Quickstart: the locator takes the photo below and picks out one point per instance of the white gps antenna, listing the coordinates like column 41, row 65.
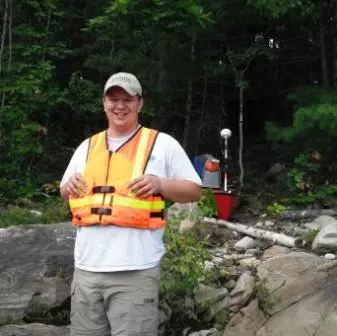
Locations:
column 225, row 134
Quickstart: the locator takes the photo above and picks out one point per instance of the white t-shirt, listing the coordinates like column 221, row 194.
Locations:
column 111, row 248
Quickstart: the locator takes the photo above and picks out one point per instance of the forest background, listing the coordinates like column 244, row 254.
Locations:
column 266, row 70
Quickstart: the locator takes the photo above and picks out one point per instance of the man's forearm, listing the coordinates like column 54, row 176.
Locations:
column 181, row 191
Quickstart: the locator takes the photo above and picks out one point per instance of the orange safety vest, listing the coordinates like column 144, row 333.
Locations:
column 108, row 201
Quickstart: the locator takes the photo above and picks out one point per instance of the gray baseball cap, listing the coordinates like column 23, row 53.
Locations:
column 126, row 81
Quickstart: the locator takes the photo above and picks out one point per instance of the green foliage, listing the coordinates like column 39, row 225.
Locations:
column 53, row 210
column 84, row 96
column 57, row 317
column 278, row 8
column 313, row 95
column 183, row 266
column 275, row 209
column 207, row 204
column 316, row 124
column 310, row 236
column 7, row 319
column 266, row 299
column 312, row 140
column 30, row 96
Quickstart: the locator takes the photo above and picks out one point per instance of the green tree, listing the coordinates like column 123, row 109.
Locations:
column 30, row 99
column 152, row 39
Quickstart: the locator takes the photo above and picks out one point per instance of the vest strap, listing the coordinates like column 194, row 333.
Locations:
column 103, row 189
column 101, row 211
column 159, row 214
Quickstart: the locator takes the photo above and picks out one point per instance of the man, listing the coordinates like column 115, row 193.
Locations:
column 116, row 184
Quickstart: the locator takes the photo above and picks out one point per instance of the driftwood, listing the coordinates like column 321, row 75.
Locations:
column 275, row 237
column 293, row 215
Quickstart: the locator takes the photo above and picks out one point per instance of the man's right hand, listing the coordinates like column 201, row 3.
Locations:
column 76, row 186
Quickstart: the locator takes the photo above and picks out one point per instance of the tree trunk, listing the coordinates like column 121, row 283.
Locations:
column 323, row 44
column 275, row 237
column 201, row 121
column 159, row 78
column 241, row 140
column 2, row 48
column 334, row 39
column 4, row 31
column 189, row 97
column 309, row 213
column 46, row 33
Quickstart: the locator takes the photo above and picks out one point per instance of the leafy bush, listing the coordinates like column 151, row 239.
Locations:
column 183, row 266
column 53, row 210
column 275, row 209
column 313, row 95
column 310, row 236
column 207, row 204
column 311, row 144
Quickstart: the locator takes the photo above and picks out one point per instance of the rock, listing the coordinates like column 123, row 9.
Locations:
column 330, row 256
column 242, row 291
column 314, row 314
column 36, row 213
column 219, row 235
column 250, row 263
column 210, row 332
column 230, row 284
column 326, row 239
column 259, row 225
column 164, row 315
column 36, row 264
column 207, row 294
column 275, row 171
column 311, row 226
column 291, row 277
column 299, row 231
column 209, row 265
column 263, row 243
column 244, row 244
column 186, row 210
column 247, row 321
column 253, row 251
column 211, row 302
column 269, row 223
column 34, row 329
column 274, row 251
column 237, row 257
column 322, row 221
column 186, row 225
column 219, row 310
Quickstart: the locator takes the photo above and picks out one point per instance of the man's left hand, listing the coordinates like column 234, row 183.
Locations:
column 146, row 186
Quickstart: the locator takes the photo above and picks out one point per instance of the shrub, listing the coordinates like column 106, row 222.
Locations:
column 207, row 204
column 183, row 266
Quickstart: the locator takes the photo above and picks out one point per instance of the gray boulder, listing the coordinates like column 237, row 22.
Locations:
column 34, row 329
column 326, row 239
column 36, row 264
column 306, row 285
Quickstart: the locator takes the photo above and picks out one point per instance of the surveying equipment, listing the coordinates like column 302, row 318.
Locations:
column 211, row 176
column 225, row 134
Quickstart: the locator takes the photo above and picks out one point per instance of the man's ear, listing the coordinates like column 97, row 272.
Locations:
column 141, row 103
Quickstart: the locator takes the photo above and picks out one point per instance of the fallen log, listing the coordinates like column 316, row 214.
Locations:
column 278, row 238
column 299, row 214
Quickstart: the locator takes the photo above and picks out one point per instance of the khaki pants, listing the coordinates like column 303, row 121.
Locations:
column 117, row 303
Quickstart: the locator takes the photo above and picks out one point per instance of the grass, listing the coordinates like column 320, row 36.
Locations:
column 52, row 210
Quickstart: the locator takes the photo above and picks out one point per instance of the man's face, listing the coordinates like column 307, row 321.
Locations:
column 122, row 110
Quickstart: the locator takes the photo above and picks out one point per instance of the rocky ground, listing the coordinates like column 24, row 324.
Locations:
column 272, row 289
